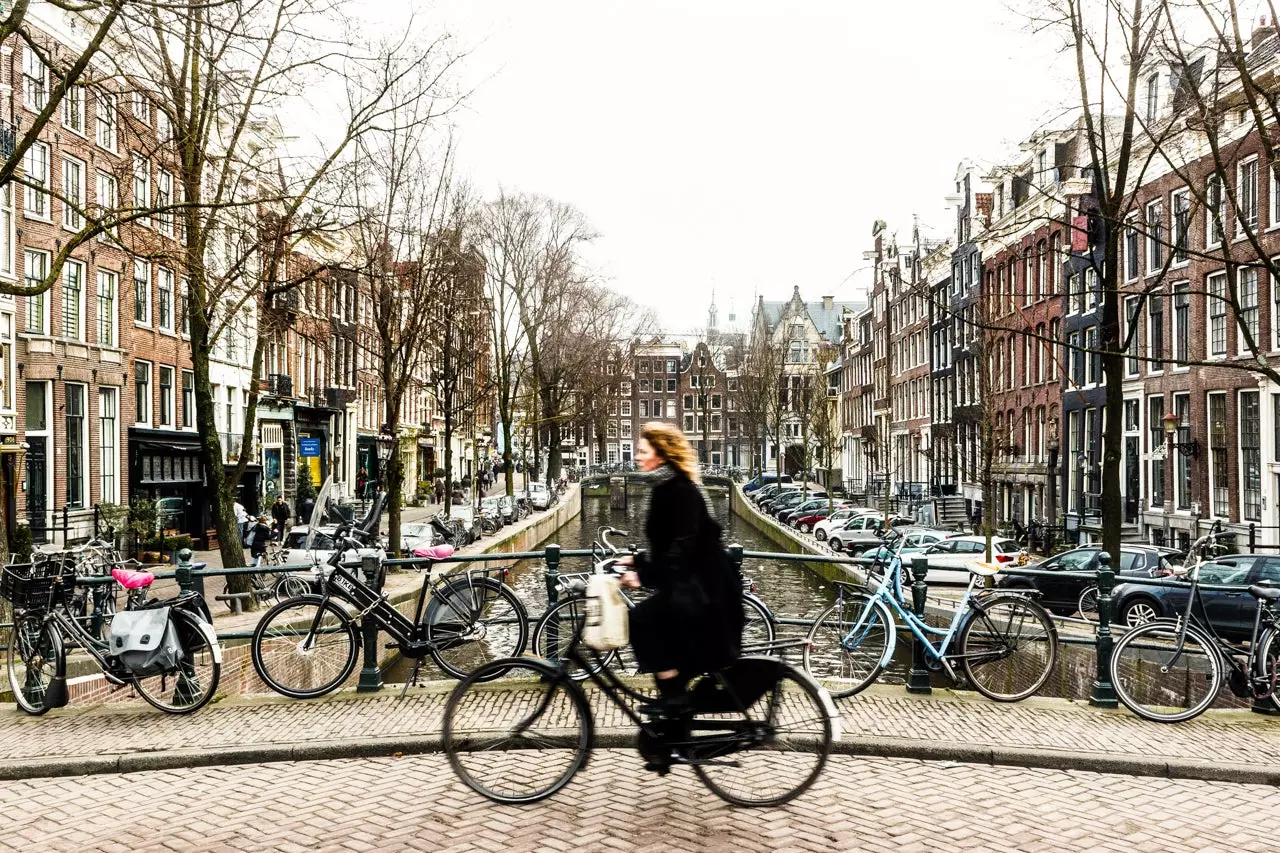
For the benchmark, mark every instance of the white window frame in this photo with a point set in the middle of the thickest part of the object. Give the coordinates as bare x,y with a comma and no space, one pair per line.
8,233
107,123
108,463
166,414
142,107
35,167
1132,254
1155,242
35,80
38,304
164,276
1211,236
107,199
141,187
1131,312
85,427
149,399
73,109
73,192
1182,288
1242,222
1256,325
1215,299
108,306
145,320
1176,197
1155,367
79,268
164,198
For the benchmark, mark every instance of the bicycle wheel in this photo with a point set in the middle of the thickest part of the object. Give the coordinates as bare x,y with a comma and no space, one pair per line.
1163,676
471,622
1088,604
291,586
848,644
757,627
526,746
553,645
35,651
1008,647
1267,663
771,753
192,685
304,647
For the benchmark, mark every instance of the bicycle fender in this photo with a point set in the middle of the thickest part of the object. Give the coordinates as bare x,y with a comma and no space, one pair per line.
893,634
828,704
210,635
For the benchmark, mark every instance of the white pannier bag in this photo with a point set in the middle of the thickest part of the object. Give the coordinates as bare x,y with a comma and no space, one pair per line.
146,641
606,628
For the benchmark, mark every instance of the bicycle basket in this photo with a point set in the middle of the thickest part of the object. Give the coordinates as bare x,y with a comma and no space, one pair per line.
29,588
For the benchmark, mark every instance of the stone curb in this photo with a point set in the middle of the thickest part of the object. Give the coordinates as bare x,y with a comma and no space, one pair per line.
931,750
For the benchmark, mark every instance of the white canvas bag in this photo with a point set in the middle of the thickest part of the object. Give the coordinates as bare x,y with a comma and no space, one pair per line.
606,628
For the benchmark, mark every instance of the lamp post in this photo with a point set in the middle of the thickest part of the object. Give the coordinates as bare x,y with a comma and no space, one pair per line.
384,444
1051,517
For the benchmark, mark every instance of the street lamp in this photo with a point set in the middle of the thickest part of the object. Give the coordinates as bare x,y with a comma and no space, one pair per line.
384,443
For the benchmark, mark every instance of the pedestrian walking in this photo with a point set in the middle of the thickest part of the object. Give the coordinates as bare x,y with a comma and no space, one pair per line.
280,515
242,520
257,540
439,490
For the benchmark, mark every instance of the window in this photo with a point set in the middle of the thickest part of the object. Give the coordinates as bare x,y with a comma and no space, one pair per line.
35,80
35,165
141,292
1156,439
164,300
1181,461
1218,455
1055,253
164,197
1247,195
644,386
626,408
106,135
188,398
1132,305
688,401
73,193
1075,359
1215,213
164,127
166,396
142,107
108,198
688,423
182,308
1181,323
1055,334
1247,296
671,365
1153,97
73,301
1155,237
1155,333
76,469
1092,358
37,267
644,408
1130,251
671,386
141,186
1181,224
1216,299
142,392
1250,456
73,108
108,461
107,307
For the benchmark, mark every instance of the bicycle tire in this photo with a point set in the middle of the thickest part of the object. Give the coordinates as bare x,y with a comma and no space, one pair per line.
284,650
193,686
35,656
758,629
1025,659
849,666
795,729
457,627
568,613
1087,604
1268,661
494,740
1166,697
288,586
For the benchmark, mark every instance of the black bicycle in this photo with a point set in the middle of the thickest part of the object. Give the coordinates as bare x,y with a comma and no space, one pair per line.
759,735
1170,670
308,645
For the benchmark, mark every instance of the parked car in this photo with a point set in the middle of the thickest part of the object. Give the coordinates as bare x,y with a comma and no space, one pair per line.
806,508
861,530
915,540
837,519
769,493
1230,612
1062,594
763,480
784,492
786,504
807,522
416,533
322,546
949,559
539,495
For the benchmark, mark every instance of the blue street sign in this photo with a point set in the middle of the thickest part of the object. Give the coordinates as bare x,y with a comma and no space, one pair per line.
308,447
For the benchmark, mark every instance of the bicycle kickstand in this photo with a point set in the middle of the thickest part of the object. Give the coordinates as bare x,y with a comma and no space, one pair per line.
413,677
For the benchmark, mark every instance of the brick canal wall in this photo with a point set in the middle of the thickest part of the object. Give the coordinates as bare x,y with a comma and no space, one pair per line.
787,540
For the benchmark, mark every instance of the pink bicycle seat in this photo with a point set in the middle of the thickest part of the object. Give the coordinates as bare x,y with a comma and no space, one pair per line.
130,579
434,552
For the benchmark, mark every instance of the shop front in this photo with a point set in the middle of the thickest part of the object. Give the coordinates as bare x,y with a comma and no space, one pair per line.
164,466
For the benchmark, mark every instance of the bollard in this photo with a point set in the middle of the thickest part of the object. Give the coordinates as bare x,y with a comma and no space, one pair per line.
184,574
370,673
918,678
552,578
1104,694
66,524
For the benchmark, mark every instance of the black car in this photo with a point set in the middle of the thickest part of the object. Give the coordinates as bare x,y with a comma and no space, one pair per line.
1230,612
1061,595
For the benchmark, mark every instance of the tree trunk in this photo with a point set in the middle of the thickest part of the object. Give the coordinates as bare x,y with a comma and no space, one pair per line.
1112,370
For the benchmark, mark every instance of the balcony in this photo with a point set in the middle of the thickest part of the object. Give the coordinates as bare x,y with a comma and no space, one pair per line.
279,385
8,138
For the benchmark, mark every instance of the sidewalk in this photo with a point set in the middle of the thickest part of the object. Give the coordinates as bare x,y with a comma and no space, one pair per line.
1234,746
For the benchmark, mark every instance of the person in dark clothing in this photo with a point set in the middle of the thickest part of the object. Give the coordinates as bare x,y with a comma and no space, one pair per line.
280,515
259,534
692,624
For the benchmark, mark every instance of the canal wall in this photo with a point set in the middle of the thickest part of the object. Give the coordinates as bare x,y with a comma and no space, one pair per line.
786,540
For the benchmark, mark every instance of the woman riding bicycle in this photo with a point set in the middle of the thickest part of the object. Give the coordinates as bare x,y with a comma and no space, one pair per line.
693,622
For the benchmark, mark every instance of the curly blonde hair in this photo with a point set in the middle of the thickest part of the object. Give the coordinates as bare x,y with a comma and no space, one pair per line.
670,444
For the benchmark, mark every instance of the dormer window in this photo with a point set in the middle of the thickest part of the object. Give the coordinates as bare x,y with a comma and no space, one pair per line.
1153,97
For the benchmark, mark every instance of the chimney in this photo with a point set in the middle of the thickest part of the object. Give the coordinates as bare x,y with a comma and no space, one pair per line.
828,302
1262,33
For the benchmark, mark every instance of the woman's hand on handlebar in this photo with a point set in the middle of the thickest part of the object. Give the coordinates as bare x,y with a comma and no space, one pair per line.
628,560
629,579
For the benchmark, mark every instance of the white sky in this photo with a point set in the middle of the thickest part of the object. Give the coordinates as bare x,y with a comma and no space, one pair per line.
745,146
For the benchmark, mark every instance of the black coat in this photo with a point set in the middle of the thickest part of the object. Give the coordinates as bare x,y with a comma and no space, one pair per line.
693,622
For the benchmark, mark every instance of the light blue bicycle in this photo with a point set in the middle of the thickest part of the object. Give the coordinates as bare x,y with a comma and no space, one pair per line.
1004,642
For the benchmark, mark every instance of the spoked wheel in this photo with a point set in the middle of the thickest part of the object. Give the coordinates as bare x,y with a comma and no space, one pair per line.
472,622
304,647
192,685
1008,648
554,633
35,650
1088,604
524,744
757,627
1164,676
771,753
1267,664
848,644
292,586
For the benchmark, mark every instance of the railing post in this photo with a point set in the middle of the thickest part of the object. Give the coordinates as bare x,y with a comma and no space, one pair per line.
370,673
552,580
1253,537
918,678
185,575
1104,694
66,523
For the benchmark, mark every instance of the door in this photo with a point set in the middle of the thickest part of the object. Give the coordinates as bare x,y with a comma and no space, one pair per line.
1132,487
37,488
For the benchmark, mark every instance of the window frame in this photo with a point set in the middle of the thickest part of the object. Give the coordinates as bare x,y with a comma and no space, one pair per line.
108,307
139,398
39,300
77,452
143,321
72,218
165,408
107,123
1215,299
108,453
38,203
78,267
1242,221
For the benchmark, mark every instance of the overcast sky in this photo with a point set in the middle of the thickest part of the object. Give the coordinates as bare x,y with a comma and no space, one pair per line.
743,146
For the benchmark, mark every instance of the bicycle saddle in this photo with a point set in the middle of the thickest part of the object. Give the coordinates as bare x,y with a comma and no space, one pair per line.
984,570
130,579
434,552
1270,593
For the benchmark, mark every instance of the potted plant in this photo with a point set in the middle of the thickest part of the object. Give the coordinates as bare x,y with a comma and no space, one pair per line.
166,548
142,524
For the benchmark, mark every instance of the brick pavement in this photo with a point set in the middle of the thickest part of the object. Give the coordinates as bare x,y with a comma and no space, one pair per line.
415,803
